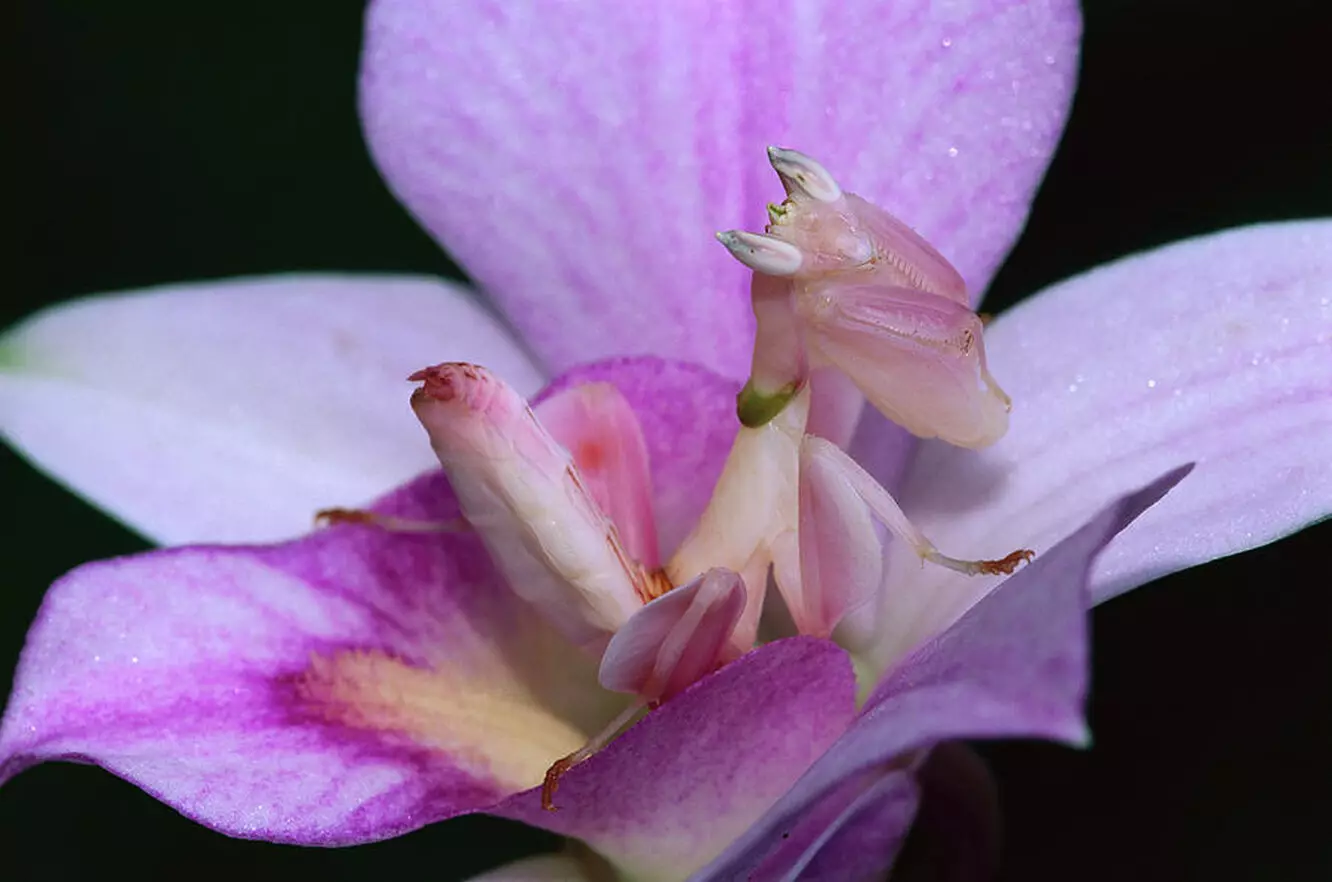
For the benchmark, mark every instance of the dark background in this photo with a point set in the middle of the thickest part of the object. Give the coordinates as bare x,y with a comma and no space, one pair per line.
161,142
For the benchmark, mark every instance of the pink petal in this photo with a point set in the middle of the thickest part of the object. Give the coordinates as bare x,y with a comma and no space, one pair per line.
342,688
595,423
676,639
1014,666
576,158
687,415
232,411
670,793
1218,349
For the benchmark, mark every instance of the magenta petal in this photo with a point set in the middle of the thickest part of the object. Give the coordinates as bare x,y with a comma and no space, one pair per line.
1014,666
687,414
672,791
345,687
576,157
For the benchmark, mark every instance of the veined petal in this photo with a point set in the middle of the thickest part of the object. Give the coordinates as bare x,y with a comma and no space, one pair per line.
644,124
670,793
1014,666
595,423
687,416
346,687
1218,349
231,411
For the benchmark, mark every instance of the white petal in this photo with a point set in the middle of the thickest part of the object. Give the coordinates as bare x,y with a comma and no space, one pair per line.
231,411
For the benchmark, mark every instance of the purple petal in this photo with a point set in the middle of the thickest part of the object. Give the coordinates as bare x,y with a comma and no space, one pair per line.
342,688
1218,349
577,157
672,791
230,411
688,418
1014,666
255,689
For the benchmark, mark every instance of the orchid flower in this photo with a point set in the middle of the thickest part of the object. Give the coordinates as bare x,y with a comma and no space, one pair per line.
358,683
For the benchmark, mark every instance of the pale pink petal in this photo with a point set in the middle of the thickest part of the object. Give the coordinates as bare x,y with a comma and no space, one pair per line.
577,157
595,423
346,687
669,794
687,414
1218,349
232,411
675,639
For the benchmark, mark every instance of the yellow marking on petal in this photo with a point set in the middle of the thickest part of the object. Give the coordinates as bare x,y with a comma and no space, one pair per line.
491,727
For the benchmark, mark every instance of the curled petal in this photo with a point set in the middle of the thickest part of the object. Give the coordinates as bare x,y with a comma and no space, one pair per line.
203,412
675,639
597,426
343,688
919,358
1217,349
523,495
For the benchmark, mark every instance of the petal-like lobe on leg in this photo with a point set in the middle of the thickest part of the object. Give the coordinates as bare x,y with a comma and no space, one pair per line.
343,688
597,426
574,157
676,639
1217,349
919,358
1014,666
523,495
671,792
231,411
841,557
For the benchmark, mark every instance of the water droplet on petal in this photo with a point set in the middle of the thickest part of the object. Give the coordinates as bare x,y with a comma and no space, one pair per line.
952,151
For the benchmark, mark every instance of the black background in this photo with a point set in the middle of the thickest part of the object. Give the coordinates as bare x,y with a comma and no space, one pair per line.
161,142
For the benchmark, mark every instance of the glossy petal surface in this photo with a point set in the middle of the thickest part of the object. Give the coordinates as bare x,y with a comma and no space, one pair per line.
1217,349
231,411
576,157
677,787
1014,666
